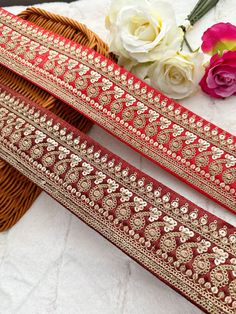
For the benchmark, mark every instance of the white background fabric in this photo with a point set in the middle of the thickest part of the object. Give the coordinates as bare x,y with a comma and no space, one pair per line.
51,263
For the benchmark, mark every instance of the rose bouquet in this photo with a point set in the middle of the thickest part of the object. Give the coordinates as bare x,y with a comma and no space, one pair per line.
219,41
149,43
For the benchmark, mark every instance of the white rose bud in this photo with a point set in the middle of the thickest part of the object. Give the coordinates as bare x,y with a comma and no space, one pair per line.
142,30
177,75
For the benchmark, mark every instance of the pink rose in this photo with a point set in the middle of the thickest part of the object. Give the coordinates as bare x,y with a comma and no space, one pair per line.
218,38
219,80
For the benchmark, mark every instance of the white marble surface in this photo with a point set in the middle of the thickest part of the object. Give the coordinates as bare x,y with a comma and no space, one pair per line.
51,263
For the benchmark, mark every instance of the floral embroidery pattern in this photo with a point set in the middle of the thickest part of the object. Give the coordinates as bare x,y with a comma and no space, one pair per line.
177,241
189,147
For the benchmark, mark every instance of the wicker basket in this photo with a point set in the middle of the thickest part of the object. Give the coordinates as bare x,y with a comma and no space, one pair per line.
17,193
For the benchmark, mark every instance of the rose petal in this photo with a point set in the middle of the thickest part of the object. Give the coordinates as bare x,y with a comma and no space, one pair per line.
218,38
225,78
219,79
226,91
207,90
143,30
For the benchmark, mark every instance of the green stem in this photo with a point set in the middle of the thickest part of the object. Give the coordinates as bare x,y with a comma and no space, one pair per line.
207,7
201,8
187,43
199,4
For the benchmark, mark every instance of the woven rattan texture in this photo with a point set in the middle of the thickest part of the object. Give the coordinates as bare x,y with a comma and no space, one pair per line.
17,193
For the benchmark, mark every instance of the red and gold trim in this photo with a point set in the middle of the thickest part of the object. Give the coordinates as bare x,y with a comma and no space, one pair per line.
191,250
183,143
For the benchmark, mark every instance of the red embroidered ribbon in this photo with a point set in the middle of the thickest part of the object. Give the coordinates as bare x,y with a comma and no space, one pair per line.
183,143
183,245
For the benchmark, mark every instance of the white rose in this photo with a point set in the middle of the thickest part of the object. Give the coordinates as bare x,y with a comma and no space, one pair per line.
142,30
178,75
